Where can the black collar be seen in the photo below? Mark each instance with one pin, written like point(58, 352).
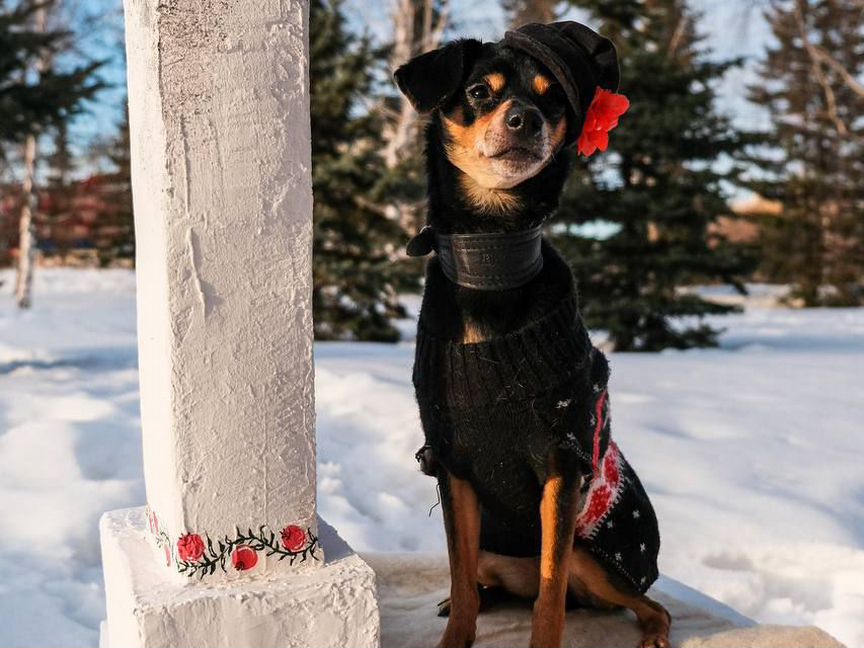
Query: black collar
point(487, 261)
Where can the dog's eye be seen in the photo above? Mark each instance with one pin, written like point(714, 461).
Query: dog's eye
point(479, 91)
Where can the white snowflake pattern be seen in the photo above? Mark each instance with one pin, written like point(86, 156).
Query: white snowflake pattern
point(642, 547)
point(635, 515)
point(609, 524)
point(564, 403)
point(618, 557)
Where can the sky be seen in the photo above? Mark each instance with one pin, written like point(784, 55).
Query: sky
point(732, 28)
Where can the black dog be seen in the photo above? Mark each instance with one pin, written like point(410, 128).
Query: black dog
point(537, 498)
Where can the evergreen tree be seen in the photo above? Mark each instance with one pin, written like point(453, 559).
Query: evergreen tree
point(29, 103)
point(637, 221)
point(357, 273)
point(817, 243)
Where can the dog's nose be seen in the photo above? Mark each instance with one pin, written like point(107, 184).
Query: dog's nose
point(524, 120)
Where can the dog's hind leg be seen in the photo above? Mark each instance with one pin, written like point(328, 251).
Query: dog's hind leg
point(558, 523)
point(462, 525)
point(518, 576)
point(591, 582)
point(500, 578)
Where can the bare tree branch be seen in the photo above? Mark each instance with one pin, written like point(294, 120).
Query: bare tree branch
point(816, 63)
point(853, 84)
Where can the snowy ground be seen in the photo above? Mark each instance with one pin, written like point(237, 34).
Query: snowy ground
point(751, 453)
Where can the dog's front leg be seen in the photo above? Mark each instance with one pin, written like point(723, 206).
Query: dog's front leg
point(462, 524)
point(558, 523)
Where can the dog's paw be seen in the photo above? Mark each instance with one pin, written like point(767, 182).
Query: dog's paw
point(457, 635)
point(655, 640)
point(655, 629)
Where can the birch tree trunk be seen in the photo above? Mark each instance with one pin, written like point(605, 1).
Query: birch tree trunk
point(418, 27)
point(521, 12)
point(26, 227)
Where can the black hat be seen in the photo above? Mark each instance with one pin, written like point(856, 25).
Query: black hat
point(579, 58)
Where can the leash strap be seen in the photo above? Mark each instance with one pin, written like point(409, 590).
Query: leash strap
point(487, 261)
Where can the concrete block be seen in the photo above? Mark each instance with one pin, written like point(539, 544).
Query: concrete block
point(335, 605)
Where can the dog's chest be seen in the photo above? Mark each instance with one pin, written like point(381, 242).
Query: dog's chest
point(503, 449)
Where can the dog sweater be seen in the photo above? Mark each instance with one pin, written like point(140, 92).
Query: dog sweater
point(493, 410)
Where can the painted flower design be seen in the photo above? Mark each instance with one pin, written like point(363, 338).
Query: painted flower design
point(293, 538)
point(190, 547)
point(244, 558)
point(602, 117)
point(200, 555)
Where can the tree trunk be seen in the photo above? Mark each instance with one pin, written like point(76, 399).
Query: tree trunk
point(26, 227)
point(418, 27)
point(521, 12)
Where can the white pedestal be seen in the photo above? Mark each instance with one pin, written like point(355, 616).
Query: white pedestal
point(335, 605)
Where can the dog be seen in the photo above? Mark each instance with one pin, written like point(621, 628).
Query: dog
point(537, 499)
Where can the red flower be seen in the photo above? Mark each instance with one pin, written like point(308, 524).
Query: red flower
point(244, 558)
point(293, 538)
point(190, 547)
point(602, 117)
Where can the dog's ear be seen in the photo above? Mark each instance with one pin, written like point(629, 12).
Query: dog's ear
point(430, 79)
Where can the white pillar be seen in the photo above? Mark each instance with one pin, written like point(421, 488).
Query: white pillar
point(219, 117)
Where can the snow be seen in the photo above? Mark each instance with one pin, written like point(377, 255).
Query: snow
point(751, 454)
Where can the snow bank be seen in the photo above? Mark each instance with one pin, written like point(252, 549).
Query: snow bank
point(751, 454)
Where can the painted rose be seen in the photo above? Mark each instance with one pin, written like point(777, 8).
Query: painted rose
point(293, 538)
point(602, 117)
point(190, 547)
point(244, 558)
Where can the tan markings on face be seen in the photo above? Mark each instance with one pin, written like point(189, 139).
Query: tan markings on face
point(559, 133)
point(476, 150)
point(463, 136)
point(496, 81)
point(541, 84)
point(465, 142)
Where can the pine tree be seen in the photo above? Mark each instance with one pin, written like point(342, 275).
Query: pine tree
point(357, 274)
point(27, 103)
point(34, 94)
point(818, 241)
point(637, 222)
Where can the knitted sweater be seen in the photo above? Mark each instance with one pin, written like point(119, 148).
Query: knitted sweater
point(492, 411)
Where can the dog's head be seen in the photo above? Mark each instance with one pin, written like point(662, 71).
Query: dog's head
point(506, 109)
point(503, 115)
